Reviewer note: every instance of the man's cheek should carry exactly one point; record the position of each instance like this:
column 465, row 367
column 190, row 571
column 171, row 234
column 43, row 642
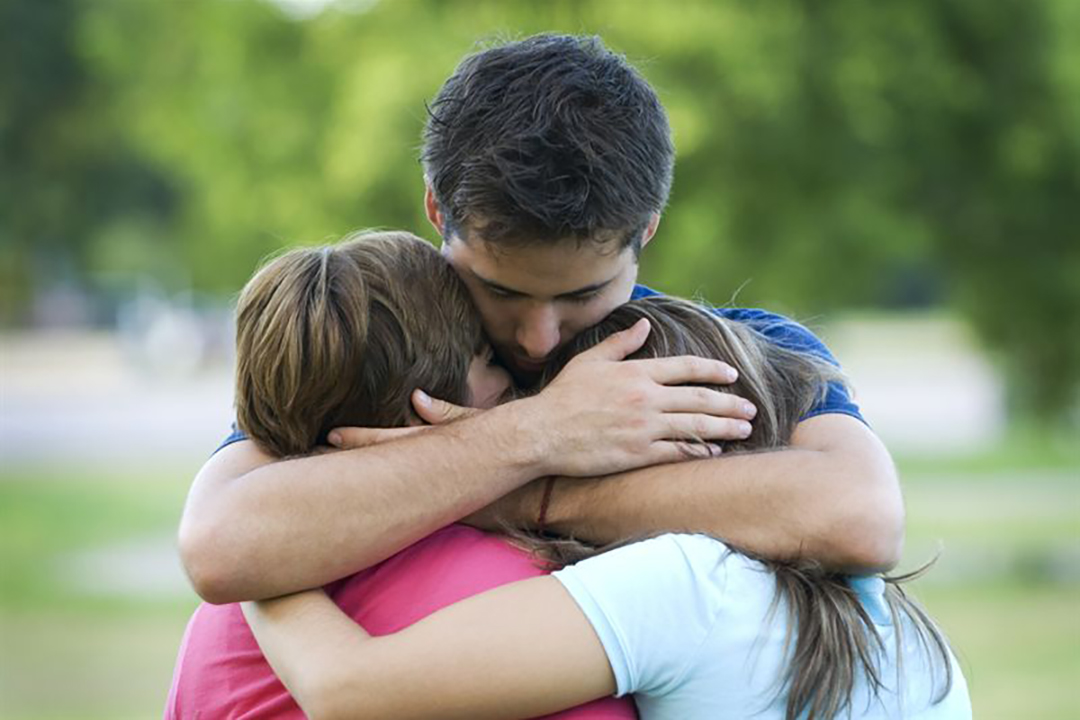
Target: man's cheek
column 499, row 327
column 493, row 323
column 498, row 331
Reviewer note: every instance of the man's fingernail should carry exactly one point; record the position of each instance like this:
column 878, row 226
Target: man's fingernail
column 744, row 429
column 423, row 398
column 732, row 374
column 749, row 410
column 334, row 438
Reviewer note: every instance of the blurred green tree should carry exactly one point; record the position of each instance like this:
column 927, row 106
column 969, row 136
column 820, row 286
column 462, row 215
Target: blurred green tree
column 829, row 154
column 65, row 171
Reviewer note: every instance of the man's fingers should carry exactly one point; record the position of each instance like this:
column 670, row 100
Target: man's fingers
column 689, row 399
column 692, row 426
column 618, row 345
column 350, row 438
column 437, row 412
column 671, row 451
column 430, row 410
column 687, row 369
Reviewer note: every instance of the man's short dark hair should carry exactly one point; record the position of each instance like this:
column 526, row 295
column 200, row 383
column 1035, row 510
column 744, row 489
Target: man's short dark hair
column 547, row 138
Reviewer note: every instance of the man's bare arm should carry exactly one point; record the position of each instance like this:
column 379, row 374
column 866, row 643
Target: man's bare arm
column 832, row 496
column 254, row 528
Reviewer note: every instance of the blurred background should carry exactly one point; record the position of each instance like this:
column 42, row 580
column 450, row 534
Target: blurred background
column 902, row 177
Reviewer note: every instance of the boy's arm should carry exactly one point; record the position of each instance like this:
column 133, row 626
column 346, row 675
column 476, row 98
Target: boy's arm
column 253, row 528
column 833, row 496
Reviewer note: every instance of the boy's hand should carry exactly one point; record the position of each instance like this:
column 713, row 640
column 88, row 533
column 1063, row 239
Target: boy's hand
column 439, row 412
column 603, row 414
column 430, row 410
column 351, row 438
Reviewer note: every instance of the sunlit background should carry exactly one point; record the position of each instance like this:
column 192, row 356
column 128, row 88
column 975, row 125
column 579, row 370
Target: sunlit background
column 902, row 177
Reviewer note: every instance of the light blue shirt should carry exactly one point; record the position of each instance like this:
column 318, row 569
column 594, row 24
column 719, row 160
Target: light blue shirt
column 687, row 628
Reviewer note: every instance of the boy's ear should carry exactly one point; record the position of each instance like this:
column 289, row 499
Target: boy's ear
column 650, row 229
column 431, row 209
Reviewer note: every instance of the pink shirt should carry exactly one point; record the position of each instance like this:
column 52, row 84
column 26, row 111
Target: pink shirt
column 220, row 672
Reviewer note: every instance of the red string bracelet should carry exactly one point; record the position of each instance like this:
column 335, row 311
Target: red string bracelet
column 545, row 500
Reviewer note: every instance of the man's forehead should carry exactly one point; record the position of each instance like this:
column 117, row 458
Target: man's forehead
column 561, row 268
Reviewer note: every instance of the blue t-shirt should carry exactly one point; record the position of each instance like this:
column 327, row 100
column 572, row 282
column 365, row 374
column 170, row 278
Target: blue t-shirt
column 783, row 331
column 686, row 627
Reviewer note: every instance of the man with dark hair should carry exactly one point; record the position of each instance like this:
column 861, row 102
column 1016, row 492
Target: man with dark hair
column 546, row 157
column 547, row 139
column 548, row 162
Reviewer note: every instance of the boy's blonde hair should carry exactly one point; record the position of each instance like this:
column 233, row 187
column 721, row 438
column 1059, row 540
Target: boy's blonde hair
column 341, row 335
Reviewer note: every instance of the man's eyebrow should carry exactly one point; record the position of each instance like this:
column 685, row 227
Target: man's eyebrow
column 587, row 290
column 496, row 286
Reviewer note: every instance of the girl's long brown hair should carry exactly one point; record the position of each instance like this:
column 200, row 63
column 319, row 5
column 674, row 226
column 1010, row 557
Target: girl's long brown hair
column 834, row 637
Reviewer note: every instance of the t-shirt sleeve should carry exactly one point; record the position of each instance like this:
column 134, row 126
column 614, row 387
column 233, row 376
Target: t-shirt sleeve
column 235, row 435
column 646, row 603
column 789, row 334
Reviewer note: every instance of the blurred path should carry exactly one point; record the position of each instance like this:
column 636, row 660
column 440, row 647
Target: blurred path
column 85, row 396
column 921, row 381
column 77, row 397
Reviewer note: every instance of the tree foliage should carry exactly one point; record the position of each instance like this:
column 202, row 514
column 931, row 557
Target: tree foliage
column 829, row 154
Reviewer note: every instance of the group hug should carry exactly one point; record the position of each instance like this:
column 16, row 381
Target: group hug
column 499, row 478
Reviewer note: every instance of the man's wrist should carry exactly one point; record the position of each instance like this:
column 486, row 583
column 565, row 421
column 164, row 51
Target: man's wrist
column 547, row 489
column 513, row 432
column 569, row 508
column 522, row 508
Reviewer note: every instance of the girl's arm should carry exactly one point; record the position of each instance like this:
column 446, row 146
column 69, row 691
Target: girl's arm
column 518, row 651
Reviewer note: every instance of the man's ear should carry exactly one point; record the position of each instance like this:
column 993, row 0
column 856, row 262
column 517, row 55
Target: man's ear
column 431, row 208
column 650, row 229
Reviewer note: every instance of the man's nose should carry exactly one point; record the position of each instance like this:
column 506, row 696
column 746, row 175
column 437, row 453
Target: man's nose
column 538, row 334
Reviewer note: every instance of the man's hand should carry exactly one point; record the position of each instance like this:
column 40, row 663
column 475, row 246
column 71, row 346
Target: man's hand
column 435, row 412
column 431, row 410
column 603, row 414
column 350, row 438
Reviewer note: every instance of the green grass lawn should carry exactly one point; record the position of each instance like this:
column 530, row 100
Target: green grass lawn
column 1018, row 645
column 69, row 646
column 1006, row 586
column 97, row 642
